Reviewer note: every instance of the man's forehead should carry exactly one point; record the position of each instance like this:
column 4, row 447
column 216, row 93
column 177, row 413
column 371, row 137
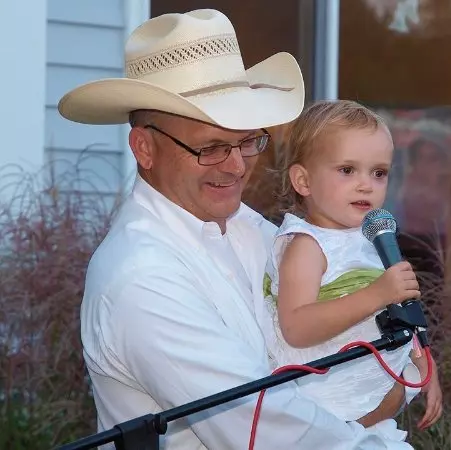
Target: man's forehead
column 194, row 125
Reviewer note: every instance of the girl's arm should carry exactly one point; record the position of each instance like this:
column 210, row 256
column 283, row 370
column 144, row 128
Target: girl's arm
column 303, row 320
column 433, row 391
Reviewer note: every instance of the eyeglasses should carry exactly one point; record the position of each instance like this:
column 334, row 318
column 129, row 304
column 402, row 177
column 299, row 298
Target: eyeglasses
column 216, row 154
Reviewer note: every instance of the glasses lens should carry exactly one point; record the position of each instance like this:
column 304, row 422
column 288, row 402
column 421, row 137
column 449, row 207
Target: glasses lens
column 214, row 155
column 254, row 146
column 219, row 153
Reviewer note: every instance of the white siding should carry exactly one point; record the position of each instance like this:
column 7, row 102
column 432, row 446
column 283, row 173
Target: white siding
column 22, row 82
column 136, row 12
column 85, row 42
column 88, row 12
column 48, row 47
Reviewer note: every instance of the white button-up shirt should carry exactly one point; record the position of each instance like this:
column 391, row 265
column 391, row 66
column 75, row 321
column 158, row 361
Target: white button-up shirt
column 169, row 316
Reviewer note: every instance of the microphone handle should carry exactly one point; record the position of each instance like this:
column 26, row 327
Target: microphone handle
column 411, row 313
column 387, row 248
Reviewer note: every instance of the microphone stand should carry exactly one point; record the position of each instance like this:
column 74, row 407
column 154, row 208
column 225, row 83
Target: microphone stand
column 142, row 433
column 408, row 315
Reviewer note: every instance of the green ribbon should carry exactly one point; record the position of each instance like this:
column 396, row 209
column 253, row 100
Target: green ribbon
column 348, row 283
column 345, row 284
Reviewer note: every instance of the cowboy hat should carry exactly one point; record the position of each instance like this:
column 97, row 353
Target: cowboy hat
column 190, row 65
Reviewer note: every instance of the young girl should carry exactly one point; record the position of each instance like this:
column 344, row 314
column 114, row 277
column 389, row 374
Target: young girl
column 325, row 278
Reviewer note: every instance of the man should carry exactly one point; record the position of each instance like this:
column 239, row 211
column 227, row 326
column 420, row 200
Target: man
column 172, row 294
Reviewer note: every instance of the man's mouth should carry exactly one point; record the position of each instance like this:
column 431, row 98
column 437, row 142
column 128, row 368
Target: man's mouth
column 222, row 184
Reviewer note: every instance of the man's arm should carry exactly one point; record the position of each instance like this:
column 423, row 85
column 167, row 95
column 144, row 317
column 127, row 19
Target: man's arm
column 177, row 346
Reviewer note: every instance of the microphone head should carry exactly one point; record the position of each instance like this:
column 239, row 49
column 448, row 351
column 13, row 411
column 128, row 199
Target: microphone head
column 376, row 221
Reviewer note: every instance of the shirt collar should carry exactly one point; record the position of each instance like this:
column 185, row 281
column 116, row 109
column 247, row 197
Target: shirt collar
column 181, row 221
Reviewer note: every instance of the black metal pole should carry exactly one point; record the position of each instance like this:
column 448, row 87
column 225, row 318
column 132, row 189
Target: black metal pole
column 143, row 432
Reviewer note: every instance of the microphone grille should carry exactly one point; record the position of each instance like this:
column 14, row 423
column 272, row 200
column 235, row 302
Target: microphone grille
column 376, row 221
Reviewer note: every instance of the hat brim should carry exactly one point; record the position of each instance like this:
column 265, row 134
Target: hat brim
column 110, row 101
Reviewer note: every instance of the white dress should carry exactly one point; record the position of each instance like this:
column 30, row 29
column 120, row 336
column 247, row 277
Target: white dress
column 353, row 389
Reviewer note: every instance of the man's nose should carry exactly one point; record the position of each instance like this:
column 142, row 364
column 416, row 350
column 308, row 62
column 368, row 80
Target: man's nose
column 234, row 164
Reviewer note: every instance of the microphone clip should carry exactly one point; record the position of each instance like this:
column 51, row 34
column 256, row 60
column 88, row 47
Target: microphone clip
column 410, row 315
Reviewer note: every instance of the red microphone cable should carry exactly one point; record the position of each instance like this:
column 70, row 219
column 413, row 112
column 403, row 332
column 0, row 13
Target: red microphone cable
column 323, row 371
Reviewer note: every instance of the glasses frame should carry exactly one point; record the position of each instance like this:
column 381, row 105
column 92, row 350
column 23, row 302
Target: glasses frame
column 198, row 152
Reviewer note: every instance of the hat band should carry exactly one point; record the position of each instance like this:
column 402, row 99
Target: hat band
column 186, row 53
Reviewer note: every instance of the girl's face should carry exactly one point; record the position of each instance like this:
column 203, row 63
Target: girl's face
column 346, row 179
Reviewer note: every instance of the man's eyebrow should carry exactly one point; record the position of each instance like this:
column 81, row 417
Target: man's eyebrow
column 216, row 141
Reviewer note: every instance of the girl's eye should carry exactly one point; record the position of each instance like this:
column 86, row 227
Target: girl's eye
column 380, row 173
column 348, row 170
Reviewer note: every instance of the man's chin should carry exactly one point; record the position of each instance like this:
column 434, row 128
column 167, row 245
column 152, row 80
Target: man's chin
column 226, row 211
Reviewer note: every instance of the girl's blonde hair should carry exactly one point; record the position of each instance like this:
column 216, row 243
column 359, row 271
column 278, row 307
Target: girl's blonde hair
column 303, row 138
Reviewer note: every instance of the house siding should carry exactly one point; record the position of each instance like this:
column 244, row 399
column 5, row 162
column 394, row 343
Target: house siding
column 85, row 41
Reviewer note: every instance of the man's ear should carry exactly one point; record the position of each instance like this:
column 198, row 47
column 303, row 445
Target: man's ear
column 299, row 179
column 141, row 143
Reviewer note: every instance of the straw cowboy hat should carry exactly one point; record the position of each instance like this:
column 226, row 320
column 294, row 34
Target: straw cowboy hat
column 190, row 64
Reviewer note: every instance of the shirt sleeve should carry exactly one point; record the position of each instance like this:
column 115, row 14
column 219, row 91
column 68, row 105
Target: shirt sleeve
column 174, row 342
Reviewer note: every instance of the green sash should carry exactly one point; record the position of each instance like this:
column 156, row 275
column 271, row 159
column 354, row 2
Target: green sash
column 345, row 284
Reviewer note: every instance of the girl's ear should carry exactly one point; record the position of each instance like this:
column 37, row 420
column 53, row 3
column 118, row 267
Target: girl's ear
column 300, row 180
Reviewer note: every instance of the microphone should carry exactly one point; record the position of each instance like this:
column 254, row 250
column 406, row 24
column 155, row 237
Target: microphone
column 379, row 227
